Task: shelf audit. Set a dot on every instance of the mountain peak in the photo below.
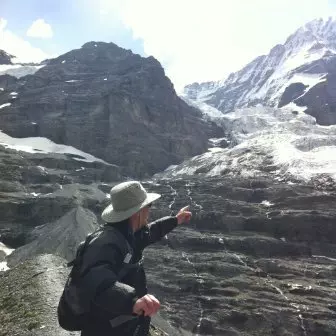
(321, 25)
(98, 45)
(320, 30)
(289, 75)
(5, 58)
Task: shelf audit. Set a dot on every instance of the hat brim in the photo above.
(109, 215)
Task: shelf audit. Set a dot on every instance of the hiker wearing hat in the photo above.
(110, 270)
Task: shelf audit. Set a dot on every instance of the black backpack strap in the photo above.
(80, 251)
(119, 241)
(127, 267)
(76, 263)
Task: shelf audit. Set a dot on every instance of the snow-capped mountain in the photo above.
(299, 74)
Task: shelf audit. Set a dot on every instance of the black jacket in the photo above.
(102, 261)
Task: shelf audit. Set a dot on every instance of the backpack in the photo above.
(73, 309)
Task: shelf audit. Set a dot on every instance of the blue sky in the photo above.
(73, 22)
(195, 40)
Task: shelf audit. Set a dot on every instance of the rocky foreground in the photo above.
(258, 258)
(29, 297)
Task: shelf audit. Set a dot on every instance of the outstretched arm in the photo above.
(156, 230)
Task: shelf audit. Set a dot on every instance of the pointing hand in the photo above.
(183, 216)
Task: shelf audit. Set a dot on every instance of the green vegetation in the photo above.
(20, 301)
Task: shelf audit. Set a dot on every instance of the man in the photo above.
(122, 306)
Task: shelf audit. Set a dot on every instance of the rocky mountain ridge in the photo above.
(106, 101)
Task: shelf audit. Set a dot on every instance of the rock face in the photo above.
(299, 74)
(5, 58)
(37, 189)
(244, 266)
(60, 237)
(258, 258)
(109, 102)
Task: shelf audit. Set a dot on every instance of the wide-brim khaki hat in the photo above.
(127, 198)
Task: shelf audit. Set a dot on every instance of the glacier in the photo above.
(266, 141)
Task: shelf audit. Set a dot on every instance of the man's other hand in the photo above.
(148, 305)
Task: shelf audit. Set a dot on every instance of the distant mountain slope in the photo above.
(300, 74)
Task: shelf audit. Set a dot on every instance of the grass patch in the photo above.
(20, 301)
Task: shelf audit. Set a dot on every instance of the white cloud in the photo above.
(206, 40)
(41, 29)
(3, 24)
(16, 46)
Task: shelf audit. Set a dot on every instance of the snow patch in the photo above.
(5, 105)
(73, 81)
(215, 149)
(309, 80)
(2, 89)
(6, 249)
(63, 61)
(209, 112)
(217, 141)
(303, 56)
(324, 257)
(266, 203)
(293, 107)
(45, 146)
(18, 70)
(171, 167)
(3, 266)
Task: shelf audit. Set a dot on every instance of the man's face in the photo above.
(140, 219)
(144, 215)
